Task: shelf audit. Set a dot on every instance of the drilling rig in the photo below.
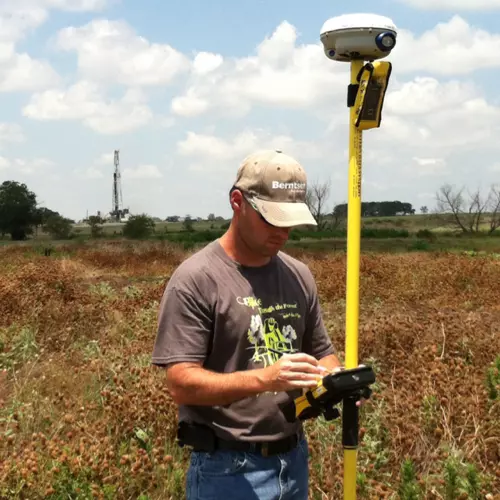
(117, 211)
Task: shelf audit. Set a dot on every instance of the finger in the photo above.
(305, 367)
(302, 384)
(300, 376)
(302, 356)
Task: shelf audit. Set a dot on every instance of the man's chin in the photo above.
(274, 248)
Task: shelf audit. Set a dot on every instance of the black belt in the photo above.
(202, 438)
(264, 448)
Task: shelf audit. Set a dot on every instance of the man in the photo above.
(240, 332)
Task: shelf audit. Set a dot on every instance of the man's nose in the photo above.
(284, 230)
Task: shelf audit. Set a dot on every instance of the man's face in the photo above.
(260, 236)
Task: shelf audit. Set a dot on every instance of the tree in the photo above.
(139, 226)
(424, 210)
(494, 209)
(18, 210)
(58, 227)
(95, 223)
(469, 213)
(44, 213)
(379, 209)
(316, 199)
(188, 223)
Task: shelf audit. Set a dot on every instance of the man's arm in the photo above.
(191, 384)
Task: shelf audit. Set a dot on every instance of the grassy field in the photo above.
(413, 223)
(84, 415)
(379, 234)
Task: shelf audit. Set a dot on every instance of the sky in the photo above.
(185, 90)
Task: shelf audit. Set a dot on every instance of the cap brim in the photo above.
(282, 214)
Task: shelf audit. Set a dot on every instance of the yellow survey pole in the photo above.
(353, 230)
(356, 38)
(352, 279)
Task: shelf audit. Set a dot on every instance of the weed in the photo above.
(17, 346)
(409, 488)
(493, 379)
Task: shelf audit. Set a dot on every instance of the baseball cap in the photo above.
(275, 184)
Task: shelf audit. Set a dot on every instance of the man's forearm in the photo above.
(197, 386)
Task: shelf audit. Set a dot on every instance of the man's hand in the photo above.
(294, 371)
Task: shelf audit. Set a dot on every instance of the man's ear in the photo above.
(236, 199)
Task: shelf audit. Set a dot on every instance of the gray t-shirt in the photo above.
(233, 317)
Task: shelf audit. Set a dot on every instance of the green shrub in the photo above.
(419, 245)
(384, 233)
(139, 227)
(426, 234)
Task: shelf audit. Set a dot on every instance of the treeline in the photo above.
(378, 209)
(21, 216)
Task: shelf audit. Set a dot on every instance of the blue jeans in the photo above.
(236, 475)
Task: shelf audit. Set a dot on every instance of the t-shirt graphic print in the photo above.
(269, 340)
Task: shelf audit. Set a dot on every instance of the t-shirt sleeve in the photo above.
(316, 340)
(184, 328)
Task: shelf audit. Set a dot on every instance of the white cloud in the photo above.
(142, 172)
(435, 116)
(190, 104)
(4, 163)
(221, 153)
(89, 173)
(454, 4)
(19, 72)
(286, 74)
(425, 95)
(95, 171)
(426, 162)
(426, 125)
(80, 5)
(206, 62)
(281, 73)
(85, 101)
(111, 52)
(25, 166)
(17, 17)
(16, 20)
(450, 48)
(106, 159)
(215, 148)
(430, 166)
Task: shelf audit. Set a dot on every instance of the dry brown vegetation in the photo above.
(84, 415)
